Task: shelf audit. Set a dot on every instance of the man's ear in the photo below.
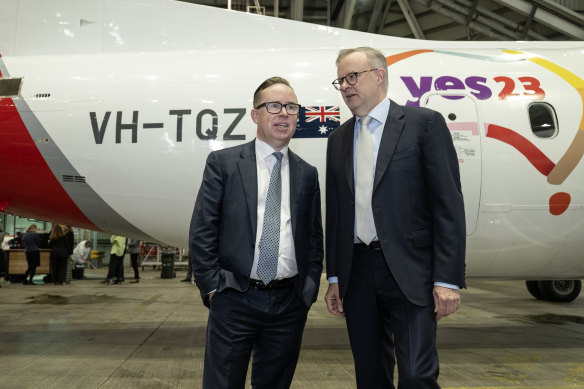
(254, 116)
(381, 74)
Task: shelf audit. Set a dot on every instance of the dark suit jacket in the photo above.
(223, 228)
(417, 203)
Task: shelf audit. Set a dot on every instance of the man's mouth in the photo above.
(282, 125)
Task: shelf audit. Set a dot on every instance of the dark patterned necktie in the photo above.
(270, 240)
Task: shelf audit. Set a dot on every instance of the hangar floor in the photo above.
(152, 335)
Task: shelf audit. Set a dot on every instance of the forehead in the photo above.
(354, 62)
(280, 93)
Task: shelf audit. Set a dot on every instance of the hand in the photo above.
(211, 295)
(333, 301)
(446, 301)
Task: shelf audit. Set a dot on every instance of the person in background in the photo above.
(61, 250)
(395, 227)
(30, 241)
(189, 275)
(71, 236)
(134, 251)
(116, 265)
(2, 259)
(16, 242)
(80, 259)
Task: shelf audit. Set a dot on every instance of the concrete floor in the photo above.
(152, 335)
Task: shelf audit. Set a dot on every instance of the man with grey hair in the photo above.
(395, 227)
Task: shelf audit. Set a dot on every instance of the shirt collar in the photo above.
(264, 150)
(380, 111)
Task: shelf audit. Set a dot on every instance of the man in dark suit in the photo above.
(256, 248)
(395, 227)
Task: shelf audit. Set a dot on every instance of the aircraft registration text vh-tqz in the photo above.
(109, 108)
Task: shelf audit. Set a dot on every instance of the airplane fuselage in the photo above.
(113, 135)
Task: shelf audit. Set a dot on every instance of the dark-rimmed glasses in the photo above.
(275, 107)
(351, 78)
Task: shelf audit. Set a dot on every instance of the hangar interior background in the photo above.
(480, 20)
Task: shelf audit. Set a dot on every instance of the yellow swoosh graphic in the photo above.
(575, 151)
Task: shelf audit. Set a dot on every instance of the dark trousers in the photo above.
(115, 268)
(189, 275)
(78, 273)
(267, 323)
(33, 259)
(3, 270)
(135, 262)
(384, 326)
(59, 269)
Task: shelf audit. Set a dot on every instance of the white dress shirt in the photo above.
(265, 161)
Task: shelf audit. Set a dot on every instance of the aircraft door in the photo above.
(460, 113)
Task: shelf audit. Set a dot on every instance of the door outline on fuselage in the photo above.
(467, 137)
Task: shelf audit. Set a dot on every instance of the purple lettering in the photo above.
(480, 90)
(449, 83)
(415, 90)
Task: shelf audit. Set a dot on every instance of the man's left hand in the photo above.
(446, 301)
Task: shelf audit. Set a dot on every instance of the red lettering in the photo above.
(508, 88)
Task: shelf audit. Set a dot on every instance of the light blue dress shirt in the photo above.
(378, 117)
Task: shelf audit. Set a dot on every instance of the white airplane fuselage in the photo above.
(120, 102)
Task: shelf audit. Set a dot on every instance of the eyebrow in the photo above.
(356, 71)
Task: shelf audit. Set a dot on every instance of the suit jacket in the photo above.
(223, 228)
(417, 203)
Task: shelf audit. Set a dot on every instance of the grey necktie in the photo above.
(364, 184)
(270, 240)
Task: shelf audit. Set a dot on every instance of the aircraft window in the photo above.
(543, 120)
(10, 87)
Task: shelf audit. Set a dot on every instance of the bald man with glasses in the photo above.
(256, 248)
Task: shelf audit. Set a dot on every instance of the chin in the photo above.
(352, 105)
(282, 135)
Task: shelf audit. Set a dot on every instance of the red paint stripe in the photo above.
(534, 155)
(28, 187)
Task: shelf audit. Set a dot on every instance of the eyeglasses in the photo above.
(351, 78)
(275, 107)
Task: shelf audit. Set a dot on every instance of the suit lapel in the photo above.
(391, 133)
(296, 180)
(249, 180)
(348, 152)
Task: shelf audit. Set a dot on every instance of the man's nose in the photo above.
(284, 112)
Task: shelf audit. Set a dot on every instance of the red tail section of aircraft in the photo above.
(30, 188)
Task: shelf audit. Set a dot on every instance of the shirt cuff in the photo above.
(450, 286)
(333, 280)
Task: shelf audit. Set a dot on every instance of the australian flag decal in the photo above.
(317, 121)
